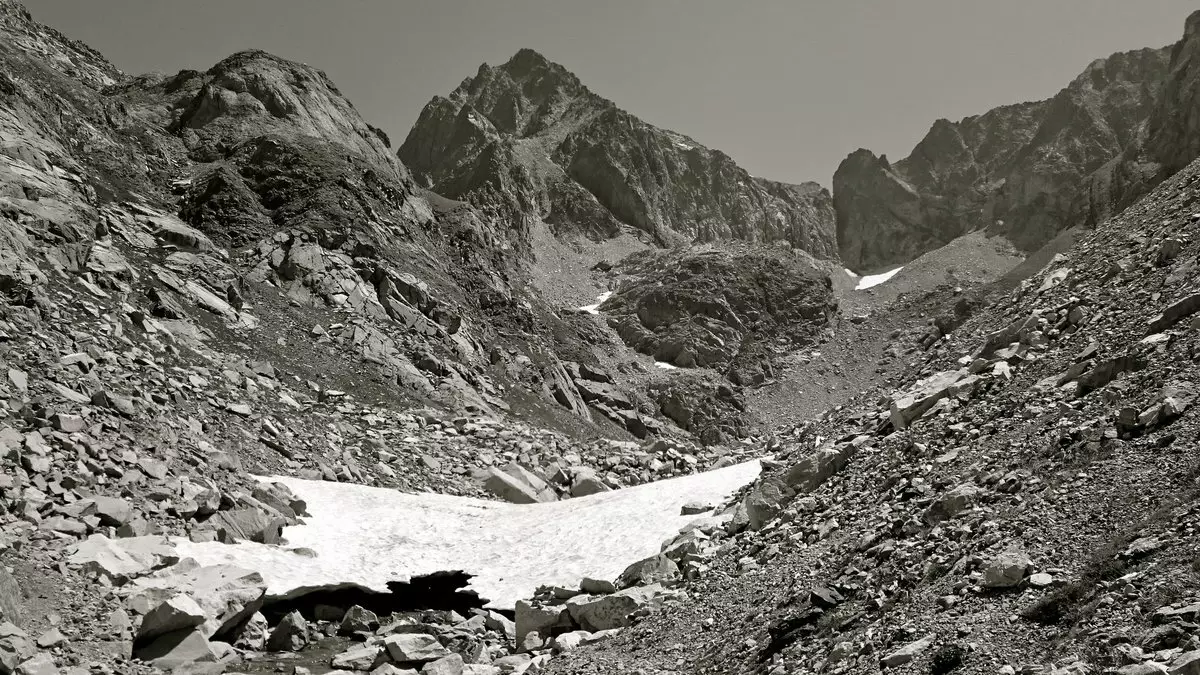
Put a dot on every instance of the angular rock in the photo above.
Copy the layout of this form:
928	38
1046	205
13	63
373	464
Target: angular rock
177	613
1006	570
174	650
414	648
290	635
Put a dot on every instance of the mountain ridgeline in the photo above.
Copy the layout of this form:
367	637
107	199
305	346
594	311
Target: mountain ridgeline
1031	170
528	138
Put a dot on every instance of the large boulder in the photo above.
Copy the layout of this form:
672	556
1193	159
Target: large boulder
603	612
908	405
227	594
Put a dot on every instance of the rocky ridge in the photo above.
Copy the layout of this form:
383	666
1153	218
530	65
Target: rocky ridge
529	139
1027	171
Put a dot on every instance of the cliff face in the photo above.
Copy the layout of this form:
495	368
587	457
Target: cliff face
527	137
1020	170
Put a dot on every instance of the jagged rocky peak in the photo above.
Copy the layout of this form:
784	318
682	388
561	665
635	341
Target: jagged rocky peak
530	137
1018	170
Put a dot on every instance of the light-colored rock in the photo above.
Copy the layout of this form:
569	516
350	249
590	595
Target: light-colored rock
289	635
1006	570
121	559
907	652
447	665
227	594
595	613
358	658
414	648
177	613
177	649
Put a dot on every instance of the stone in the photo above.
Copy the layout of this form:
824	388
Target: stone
414	648
177	613
228	594
1006	570
536	618
119	560
907	406
112	511
248	524
508	488
907	652
180	648
597	586
253	635
358	620
38	664
358	658
695	508
10	596
1187	663
15	647
289	635
655	569
595	613
451	664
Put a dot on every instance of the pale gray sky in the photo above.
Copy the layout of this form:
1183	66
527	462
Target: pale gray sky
785	87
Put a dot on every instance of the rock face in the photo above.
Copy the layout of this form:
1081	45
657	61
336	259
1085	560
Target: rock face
528	138
723	308
1020	170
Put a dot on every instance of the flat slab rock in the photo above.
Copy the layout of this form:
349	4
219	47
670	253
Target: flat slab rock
369	536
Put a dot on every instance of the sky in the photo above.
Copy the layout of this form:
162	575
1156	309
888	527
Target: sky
787	88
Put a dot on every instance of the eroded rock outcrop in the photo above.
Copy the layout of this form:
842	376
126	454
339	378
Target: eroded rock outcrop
722	308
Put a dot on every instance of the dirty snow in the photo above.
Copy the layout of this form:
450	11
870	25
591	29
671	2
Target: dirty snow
595	309
370	536
875	279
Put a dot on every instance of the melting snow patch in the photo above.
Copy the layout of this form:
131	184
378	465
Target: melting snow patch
665	366
369	536
875	279
595	309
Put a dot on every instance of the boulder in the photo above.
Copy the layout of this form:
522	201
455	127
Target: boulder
290	635
121	559
509	489
177	649
654	569
358	620
595	613
15	647
1006	570
177	613
907	406
907	652
228	594
10	596
535	618
359	658
414	648
451	664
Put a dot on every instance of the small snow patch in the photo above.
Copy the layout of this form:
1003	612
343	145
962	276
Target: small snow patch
595	308
665	366
875	279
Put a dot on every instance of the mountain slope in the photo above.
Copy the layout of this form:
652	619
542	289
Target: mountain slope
529	139
1018	170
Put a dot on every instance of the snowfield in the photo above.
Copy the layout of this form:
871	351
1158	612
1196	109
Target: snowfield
595	308
369	536
875	279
